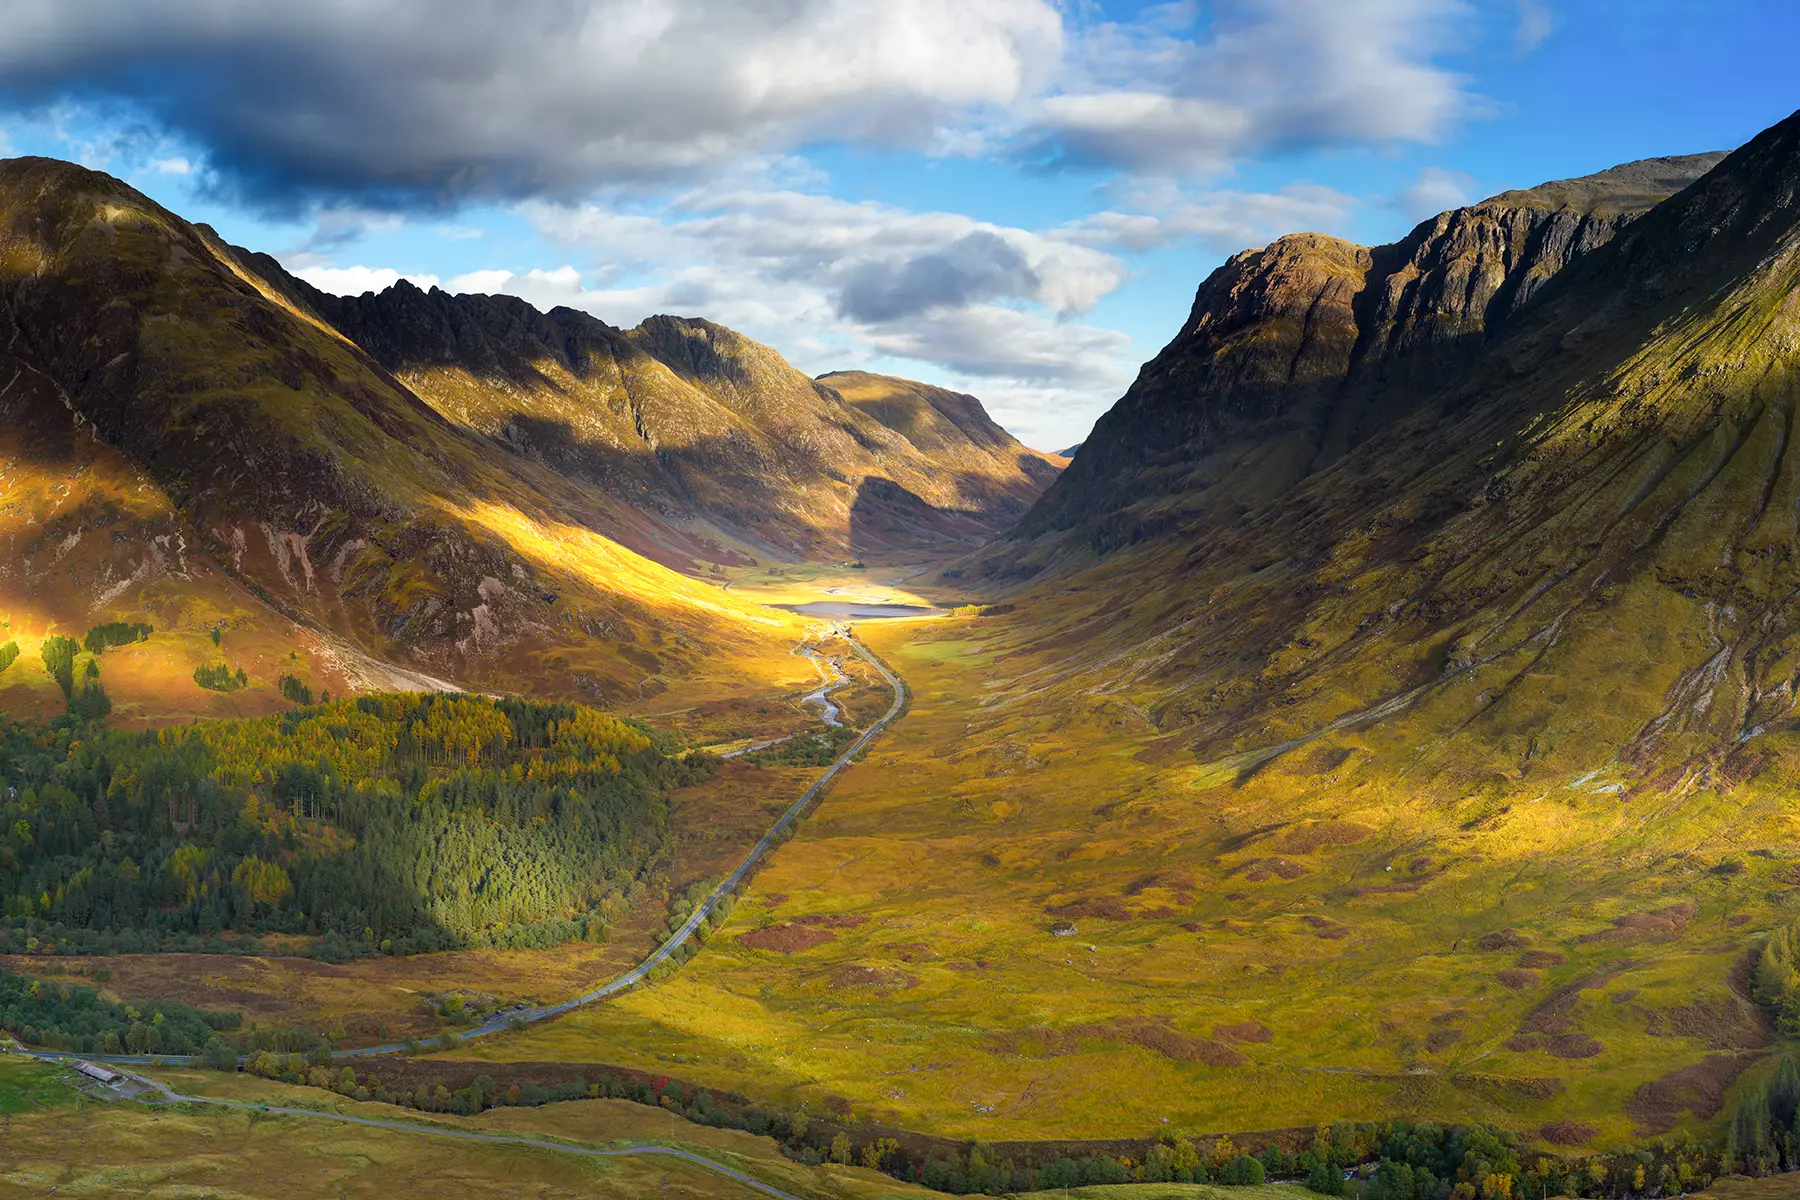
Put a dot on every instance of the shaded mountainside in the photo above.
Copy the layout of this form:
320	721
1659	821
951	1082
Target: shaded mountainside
238	435
725	450
1436	516
1298	351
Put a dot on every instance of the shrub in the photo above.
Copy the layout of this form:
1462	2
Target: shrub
9	654
1325	1179
221	678
115	633
59	661
1243	1171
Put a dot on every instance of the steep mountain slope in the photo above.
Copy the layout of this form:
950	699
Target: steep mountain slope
1417	499
289	459
1298	351
723	450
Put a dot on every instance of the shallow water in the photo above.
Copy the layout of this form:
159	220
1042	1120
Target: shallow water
861	612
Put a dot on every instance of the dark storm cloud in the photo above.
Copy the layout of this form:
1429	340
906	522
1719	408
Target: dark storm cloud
974	269
401	102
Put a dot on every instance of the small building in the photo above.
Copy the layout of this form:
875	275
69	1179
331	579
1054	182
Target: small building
96	1071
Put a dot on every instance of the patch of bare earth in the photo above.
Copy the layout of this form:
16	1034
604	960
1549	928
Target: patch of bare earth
1156	1034
786	938
1721	1024
1261	870
1568	1133
1314	834
1244	1031
1670	922
1699	1088
882	979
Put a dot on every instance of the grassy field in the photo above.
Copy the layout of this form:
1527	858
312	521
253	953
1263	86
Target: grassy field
1285	948
56	1141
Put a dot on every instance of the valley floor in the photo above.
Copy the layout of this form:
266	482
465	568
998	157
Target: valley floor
1029	916
1015	909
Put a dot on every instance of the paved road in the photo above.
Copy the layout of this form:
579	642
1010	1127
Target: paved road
504	1020
632	1149
612	987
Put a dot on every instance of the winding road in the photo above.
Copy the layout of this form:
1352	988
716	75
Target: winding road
612	987
508	1018
168	1095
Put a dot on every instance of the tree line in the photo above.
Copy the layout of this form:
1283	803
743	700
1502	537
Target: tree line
397	823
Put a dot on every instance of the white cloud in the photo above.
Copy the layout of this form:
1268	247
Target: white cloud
354	281
1159	96
400	98
1221	220
1535	24
172	166
389	103
1434	191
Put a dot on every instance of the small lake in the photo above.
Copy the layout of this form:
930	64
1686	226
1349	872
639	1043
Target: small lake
860	612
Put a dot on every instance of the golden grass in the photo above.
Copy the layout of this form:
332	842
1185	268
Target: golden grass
123	1149
980	816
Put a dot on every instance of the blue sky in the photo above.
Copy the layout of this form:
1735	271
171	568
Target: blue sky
1015	198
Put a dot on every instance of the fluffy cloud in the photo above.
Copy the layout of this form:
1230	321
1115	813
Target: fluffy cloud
401	101
354	281
1163	96
392	103
1224	221
1535	24
1434	191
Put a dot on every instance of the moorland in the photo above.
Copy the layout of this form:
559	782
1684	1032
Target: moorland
1371	755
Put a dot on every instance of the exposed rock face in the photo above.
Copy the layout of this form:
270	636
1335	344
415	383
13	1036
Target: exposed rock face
713	433
1298	351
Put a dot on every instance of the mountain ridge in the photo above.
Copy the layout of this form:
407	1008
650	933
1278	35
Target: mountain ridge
1308	344
715	432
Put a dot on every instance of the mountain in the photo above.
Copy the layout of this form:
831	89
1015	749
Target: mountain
1299	351
173	414
723	450
1512	499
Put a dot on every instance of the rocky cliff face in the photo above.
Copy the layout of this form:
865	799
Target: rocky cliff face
1297	352
722	447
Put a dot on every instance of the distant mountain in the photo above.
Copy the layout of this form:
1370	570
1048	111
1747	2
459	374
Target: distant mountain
1070	452
460	485
726	449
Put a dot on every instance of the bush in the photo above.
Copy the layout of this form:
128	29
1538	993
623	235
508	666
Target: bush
59	661
1243	1171
221	678
9	654
90	703
115	633
219	1055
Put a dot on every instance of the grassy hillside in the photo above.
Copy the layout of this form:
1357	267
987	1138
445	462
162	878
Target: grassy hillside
721	452
57	1142
269	449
